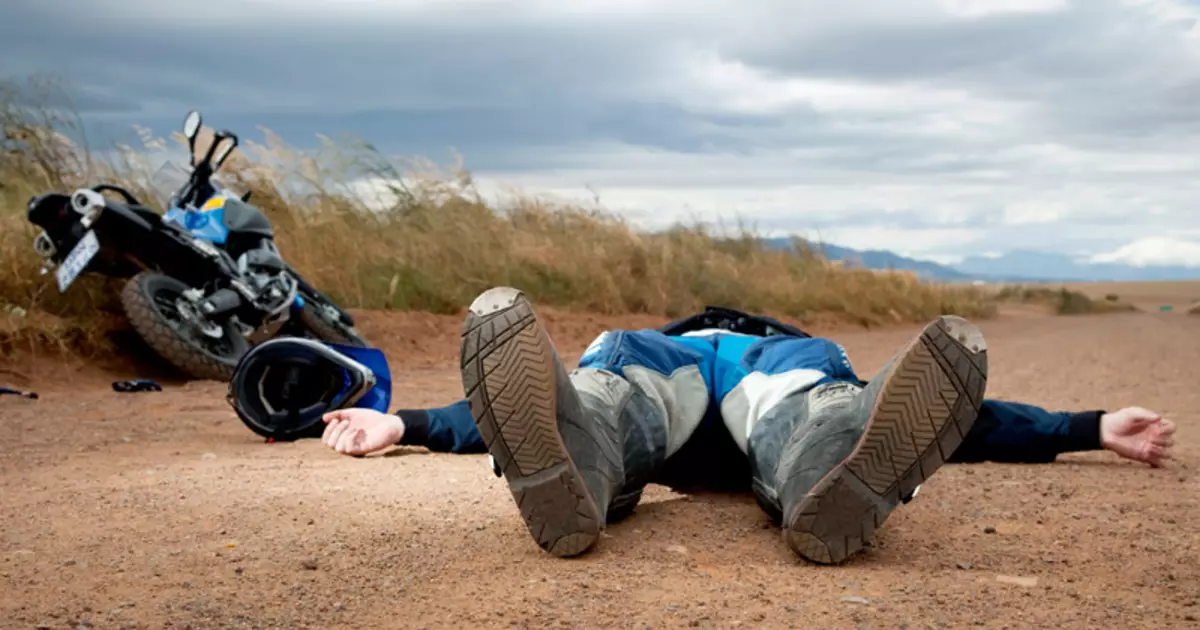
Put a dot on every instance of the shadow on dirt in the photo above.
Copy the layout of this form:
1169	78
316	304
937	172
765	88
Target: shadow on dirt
136	359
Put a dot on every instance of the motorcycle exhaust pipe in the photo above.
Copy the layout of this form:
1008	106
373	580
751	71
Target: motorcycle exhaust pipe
44	246
221	302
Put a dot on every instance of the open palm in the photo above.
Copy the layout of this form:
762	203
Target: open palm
361	431
1138	434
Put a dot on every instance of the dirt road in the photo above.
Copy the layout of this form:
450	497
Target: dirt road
160	510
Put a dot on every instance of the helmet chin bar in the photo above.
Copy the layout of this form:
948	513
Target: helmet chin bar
284	386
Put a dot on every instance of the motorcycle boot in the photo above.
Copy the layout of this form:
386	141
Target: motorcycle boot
575	449
831	463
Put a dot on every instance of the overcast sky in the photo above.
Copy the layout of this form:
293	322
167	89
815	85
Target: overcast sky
935	128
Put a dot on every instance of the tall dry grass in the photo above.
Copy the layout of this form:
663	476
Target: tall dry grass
373	233
36	157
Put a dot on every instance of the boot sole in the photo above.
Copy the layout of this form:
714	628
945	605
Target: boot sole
928	402
508	371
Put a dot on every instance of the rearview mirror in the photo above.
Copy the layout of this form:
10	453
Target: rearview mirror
226	143
191	128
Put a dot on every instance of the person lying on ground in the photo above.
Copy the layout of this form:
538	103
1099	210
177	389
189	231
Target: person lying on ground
1134	433
730	400
1005	432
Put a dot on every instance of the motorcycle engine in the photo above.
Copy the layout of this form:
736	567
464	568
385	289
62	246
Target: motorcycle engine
265	274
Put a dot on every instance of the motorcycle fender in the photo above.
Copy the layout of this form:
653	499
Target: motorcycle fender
342	314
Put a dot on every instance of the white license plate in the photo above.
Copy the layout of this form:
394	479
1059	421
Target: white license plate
83	253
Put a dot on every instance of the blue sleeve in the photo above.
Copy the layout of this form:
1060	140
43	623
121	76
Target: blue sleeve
1024	434
444	430
1004	432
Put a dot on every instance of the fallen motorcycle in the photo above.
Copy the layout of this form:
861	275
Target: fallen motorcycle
206	280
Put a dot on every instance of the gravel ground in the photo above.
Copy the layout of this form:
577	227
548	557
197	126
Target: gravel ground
160	510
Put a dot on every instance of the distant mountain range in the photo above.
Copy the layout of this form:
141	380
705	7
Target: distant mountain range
1048	266
1014	266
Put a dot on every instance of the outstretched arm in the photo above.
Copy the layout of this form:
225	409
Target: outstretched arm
449	429
1020	433
446	430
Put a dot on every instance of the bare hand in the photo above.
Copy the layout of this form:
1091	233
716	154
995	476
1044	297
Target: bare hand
1138	434
361	431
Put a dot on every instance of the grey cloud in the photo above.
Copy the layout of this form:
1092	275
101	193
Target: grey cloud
341	66
518	91
1099	73
475	84
1092	69
903	219
885	52
86	99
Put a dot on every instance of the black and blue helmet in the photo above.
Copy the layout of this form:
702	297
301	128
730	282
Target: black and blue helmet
281	388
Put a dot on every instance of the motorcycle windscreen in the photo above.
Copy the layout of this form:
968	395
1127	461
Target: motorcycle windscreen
380	395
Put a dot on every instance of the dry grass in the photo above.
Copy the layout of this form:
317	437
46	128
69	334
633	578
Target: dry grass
1181	296
1145	295
374	235
1062	300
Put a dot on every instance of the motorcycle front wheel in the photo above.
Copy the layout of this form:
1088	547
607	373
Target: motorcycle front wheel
152	303
329	332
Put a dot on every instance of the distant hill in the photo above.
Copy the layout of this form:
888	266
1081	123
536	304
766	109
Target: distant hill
1033	264
1014	266
878	259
